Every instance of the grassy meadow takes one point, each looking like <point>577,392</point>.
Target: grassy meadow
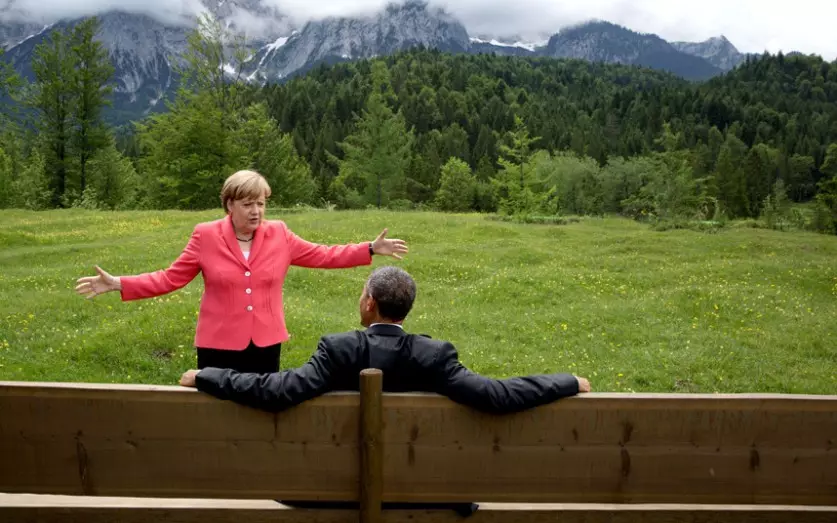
<point>632,309</point>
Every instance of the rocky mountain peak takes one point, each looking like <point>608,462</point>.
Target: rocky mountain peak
<point>259,22</point>
<point>599,41</point>
<point>397,27</point>
<point>13,33</point>
<point>717,50</point>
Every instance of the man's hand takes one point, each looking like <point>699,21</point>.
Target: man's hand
<point>188,378</point>
<point>583,384</point>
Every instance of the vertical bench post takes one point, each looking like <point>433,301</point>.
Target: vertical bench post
<point>371,445</point>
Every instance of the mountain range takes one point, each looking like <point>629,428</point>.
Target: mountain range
<point>145,49</point>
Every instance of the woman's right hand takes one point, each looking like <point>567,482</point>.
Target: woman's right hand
<point>92,286</point>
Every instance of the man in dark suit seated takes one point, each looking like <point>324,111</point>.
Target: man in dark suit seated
<point>410,363</point>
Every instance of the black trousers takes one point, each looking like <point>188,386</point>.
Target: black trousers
<point>260,360</point>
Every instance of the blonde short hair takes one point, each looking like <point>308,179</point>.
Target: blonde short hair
<point>244,184</point>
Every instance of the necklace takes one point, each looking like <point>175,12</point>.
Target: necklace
<point>252,235</point>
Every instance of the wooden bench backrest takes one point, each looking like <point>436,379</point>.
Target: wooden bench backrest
<point>601,448</point>
<point>615,448</point>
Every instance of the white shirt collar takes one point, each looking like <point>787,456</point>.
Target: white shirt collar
<point>393,324</point>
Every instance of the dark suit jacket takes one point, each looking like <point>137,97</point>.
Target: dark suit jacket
<point>410,363</point>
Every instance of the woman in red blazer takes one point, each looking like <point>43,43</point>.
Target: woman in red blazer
<point>243,259</point>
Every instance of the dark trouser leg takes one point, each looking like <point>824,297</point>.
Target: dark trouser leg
<point>260,360</point>
<point>265,359</point>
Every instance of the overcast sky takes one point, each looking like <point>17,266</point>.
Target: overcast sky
<point>752,25</point>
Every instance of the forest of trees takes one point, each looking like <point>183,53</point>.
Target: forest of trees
<point>422,129</point>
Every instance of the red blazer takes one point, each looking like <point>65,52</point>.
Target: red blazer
<point>242,298</point>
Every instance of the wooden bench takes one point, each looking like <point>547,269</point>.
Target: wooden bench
<point>132,453</point>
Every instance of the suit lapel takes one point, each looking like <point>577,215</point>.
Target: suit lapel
<point>232,244</point>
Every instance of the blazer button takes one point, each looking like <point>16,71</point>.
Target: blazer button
<point>249,307</point>
<point>247,273</point>
<point>248,291</point>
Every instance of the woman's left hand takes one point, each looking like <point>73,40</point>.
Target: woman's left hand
<point>387,247</point>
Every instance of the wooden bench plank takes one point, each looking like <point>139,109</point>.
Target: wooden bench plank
<point>171,441</point>
<point>608,475</point>
<point>180,468</point>
<point>610,448</point>
<point>81,509</point>
<point>701,420</point>
<point>168,413</point>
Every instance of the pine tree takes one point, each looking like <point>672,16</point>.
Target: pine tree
<point>485,146</point>
<point>10,88</point>
<point>454,141</point>
<point>421,112</point>
<point>715,141</point>
<point>12,163</point>
<point>512,183</point>
<point>430,152</point>
<point>90,93</point>
<point>113,179</point>
<point>322,169</point>
<point>829,165</point>
<point>729,176</point>
<point>6,180</point>
<point>377,153</point>
<point>274,156</point>
<point>801,184</point>
<point>31,189</point>
<point>826,206</point>
<point>53,98</point>
<point>517,154</point>
<point>424,168</point>
<point>187,155</point>
<point>775,209</point>
<point>760,167</point>
<point>456,192</point>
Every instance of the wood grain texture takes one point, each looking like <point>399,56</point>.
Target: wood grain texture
<point>174,442</point>
<point>597,448</point>
<point>616,449</point>
<point>72,509</point>
<point>372,445</point>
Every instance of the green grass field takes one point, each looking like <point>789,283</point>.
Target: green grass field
<point>742,310</point>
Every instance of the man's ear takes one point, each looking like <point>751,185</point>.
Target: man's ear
<point>371,304</point>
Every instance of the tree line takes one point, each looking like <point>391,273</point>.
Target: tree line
<point>423,129</point>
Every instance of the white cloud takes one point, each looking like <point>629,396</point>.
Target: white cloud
<point>256,25</point>
<point>752,25</point>
<point>304,10</point>
<point>46,11</point>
